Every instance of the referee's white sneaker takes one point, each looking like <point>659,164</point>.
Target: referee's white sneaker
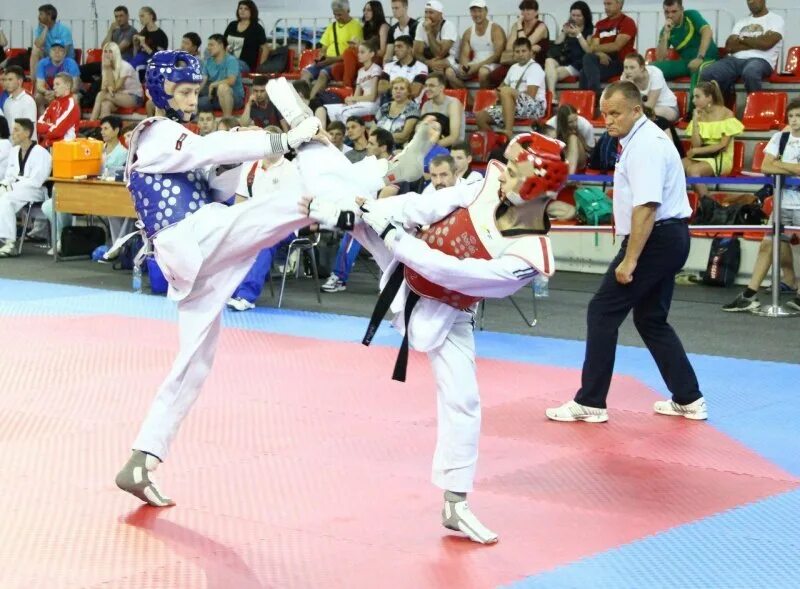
<point>572,411</point>
<point>135,479</point>
<point>288,102</point>
<point>696,410</point>
<point>457,516</point>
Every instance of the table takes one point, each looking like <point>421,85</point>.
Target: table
<point>89,197</point>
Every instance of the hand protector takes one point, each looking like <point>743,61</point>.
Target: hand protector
<point>383,225</point>
<point>330,216</point>
<point>303,133</point>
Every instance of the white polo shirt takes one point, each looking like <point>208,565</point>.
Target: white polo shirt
<point>649,170</point>
<point>395,69</point>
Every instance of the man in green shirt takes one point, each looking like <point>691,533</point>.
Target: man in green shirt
<point>691,36</point>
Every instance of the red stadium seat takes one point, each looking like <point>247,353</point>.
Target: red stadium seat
<point>758,155</point>
<point>791,69</point>
<point>650,55</point>
<point>78,55</point>
<point>307,57</point>
<point>683,102</point>
<point>764,111</point>
<point>94,55</point>
<point>693,200</point>
<point>738,158</point>
<point>484,98</point>
<point>582,100</point>
<point>459,94</point>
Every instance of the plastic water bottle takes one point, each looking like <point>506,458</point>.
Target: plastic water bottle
<point>541,287</point>
<point>136,281</point>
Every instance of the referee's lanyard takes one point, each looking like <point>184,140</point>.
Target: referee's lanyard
<point>617,157</point>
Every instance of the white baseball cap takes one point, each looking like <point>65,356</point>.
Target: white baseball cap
<point>435,5</point>
<point>478,4</point>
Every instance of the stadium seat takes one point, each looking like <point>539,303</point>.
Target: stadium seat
<point>738,158</point>
<point>307,57</point>
<point>683,102</point>
<point>583,101</point>
<point>650,55</point>
<point>78,56</point>
<point>791,69</point>
<point>693,200</point>
<point>764,111</point>
<point>94,55</point>
<point>758,156</point>
<point>484,98</point>
<point>459,94</point>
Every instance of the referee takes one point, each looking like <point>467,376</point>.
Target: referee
<point>651,214</point>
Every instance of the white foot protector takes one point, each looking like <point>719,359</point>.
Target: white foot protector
<point>457,516</point>
<point>288,102</point>
<point>135,479</point>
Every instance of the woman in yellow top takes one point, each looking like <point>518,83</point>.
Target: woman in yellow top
<point>711,130</point>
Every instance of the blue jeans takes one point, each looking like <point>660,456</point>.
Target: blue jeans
<point>252,285</point>
<point>729,69</point>
<point>346,257</point>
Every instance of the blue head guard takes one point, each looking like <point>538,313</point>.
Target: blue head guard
<point>163,67</point>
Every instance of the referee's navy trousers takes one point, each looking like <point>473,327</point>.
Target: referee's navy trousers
<point>650,296</point>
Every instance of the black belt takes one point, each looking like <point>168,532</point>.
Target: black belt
<point>673,221</point>
<point>381,307</point>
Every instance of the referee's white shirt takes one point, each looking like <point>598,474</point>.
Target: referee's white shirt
<point>649,170</point>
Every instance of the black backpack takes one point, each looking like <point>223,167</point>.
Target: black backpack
<point>604,154</point>
<point>723,261</point>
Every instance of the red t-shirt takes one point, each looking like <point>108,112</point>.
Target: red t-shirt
<point>606,31</point>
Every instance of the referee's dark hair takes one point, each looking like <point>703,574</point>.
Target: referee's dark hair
<point>627,89</point>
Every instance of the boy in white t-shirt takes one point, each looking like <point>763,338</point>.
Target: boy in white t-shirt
<point>786,162</point>
<point>521,96</point>
<point>753,48</point>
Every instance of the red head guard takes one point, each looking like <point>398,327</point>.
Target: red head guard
<point>550,170</point>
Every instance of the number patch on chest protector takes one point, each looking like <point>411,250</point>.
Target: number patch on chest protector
<point>179,142</point>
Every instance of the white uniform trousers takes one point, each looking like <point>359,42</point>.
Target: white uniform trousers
<point>11,201</point>
<point>458,408</point>
<point>229,238</point>
<point>341,112</point>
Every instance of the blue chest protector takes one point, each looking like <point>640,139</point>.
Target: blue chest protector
<point>161,200</point>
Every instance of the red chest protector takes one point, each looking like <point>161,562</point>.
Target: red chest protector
<point>472,233</point>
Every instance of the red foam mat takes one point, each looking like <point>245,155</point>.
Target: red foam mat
<point>304,465</point>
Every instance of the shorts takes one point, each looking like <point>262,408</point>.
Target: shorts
<point>315,70</point>
<point>204,102</point>
<point>527,108</point>
<point>572,70</point>
<point>789,217</point>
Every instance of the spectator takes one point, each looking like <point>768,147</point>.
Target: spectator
<point>399,116</point>
<point>149,40</point>
<point>119,85</point>
<point>206,122</point>
<point>5,145</point>
<point>49,32</point>
<point>246,38</point>
<point>690,35</point>
<point>3,45</point>
<point>404,26</point>
<point>613,39</point>
<point>19,104</point>
<point>443,173</point>
<point>227,123</point>
<point>274,175</point>
<point>528,26</point>
<point>450,107</point>
<point>462,157</point>
<point>576,133</point>
<point>364,101</point>
<point>521,96</point>
<point>405,65</point>
<point>380,145</point>
<point>712,129</point>
<point>336,132</point>
<point>481,47</point>
<point>374,26</point>
<point>28,168</point>
<point>60,120</point>
<point>753,48</point>
<point>565,57</point>
<point>436,40</point>
<point>223,89</point>
<point>357,135</point>
<point>258,110</point>
<point>47,69</point>
<point>121,32</point>
<point>787,163</point>
<point>333,43</point>
<point>439,126</point>
<point>652,85</point>
<point>190,43</point>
